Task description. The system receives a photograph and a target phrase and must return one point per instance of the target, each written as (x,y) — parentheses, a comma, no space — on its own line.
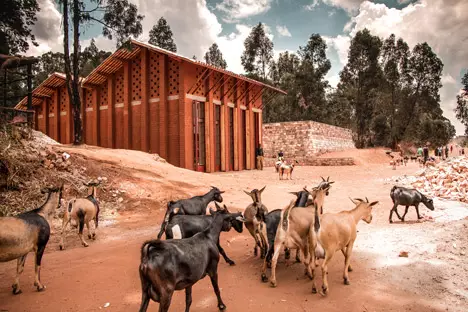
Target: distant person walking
(426,153)
(451,149)
(259,154)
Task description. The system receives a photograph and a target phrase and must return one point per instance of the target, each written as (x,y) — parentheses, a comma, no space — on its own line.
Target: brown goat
(27,232)
(82,211)
(337,231)
(254,216)
(295,231)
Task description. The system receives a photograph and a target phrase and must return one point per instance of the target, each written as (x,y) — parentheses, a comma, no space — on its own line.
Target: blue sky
(196,24)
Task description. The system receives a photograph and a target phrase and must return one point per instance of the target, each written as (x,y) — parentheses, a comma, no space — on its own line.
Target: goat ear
(331,182)
(212,212)
(373,203)
(217,207)
(176,210)
(248,193)
(221,192)
(225,208)
(294,193)
(240,218)
(262,189)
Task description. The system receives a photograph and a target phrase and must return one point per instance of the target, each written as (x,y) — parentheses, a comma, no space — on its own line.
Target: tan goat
(337,231)
(254,216)
(82,211)
(285,169)
(295,231)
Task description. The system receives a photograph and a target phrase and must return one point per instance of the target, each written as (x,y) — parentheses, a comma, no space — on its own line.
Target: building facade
(194,115)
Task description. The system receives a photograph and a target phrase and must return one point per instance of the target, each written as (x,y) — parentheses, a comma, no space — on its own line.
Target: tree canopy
(161,35)
(215,57)
(461,110)
(258,53)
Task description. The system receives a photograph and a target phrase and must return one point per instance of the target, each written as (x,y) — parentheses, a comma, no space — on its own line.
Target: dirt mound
(362,156)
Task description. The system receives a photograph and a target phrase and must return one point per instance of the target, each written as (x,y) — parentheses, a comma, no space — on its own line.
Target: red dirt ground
(432,278)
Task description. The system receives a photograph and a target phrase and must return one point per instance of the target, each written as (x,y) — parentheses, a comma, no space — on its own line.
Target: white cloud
(47,29)
(238,9)
(350,6)
(341,45)
(440,23)
(312,6)
(283,31)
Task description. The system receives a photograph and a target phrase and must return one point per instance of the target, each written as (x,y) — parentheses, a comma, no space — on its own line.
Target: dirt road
(432,278)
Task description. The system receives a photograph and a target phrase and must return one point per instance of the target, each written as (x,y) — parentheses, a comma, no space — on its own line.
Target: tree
(359,82)
(215,57)
(119,19)
(91,57)
(17,17)
(49,63)
(395,59)
(461,110)
(258,53)
(161,35)
(310,77)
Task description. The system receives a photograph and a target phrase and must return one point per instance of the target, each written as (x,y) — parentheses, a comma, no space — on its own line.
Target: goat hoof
(61,247)
(273,284)
(390,221)
(222,307)
(346,281)
(314,290)
(231,263)
(94,235)
(40,289)
(264,278)
(89,236)
(350,269)
(16,290)
(85,245)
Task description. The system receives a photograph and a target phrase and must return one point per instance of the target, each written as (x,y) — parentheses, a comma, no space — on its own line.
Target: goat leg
(166,299)
(37,270)
(188,298)
(349,250)
(214,282)
(89,231)
(145,290)
(417,211)
(64,226)
(223,253)
(19,269)
(406,211)
(344,254)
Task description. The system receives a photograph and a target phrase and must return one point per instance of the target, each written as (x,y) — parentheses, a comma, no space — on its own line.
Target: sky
(197,24)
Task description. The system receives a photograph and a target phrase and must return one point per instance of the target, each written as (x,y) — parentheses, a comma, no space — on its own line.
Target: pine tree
(258,53)
(215,57)
(161,36)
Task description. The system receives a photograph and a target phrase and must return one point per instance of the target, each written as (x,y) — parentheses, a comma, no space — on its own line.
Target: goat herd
(191,249)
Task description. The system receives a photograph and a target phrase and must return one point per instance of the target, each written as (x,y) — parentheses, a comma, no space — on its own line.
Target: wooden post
(83,116)
(236,129)
(248,131)
(184,121)
(127,108)
(144,100)
(56,116)
(110,110)
(224,128)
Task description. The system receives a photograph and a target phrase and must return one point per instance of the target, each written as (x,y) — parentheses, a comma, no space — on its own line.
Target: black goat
(185,226)
(178,264)
(192,206)
(29,231)
(408,197)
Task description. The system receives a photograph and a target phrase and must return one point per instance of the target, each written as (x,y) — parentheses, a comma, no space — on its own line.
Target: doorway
(198,109)
(217,137)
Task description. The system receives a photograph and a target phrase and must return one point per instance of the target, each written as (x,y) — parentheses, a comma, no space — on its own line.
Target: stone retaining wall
(304,140)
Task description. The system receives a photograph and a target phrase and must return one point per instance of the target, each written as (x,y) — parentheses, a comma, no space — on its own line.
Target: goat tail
(316,218)
(81,215)
(286,211)
(70,204)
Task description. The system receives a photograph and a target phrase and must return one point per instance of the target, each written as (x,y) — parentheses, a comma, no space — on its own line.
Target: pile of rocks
(447,179)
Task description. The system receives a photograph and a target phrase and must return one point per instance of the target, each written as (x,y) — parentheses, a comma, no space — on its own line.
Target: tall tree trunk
(76,103)
(66,48)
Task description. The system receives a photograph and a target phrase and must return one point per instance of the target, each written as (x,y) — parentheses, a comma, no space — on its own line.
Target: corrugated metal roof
(45,89)
(114,62)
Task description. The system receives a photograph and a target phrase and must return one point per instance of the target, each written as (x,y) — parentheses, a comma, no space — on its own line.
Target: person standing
(426,153)
(446,152)
(451,149)
(281,155)
(420,152)
(259,154)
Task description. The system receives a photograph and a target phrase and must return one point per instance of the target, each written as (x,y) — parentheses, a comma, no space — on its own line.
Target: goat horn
(328,178)
(323,179)
(367,199)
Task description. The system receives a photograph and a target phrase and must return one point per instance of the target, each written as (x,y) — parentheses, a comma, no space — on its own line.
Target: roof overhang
(115,62)
(45,90)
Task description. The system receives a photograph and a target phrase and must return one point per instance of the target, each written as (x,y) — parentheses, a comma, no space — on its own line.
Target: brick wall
(302,140)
